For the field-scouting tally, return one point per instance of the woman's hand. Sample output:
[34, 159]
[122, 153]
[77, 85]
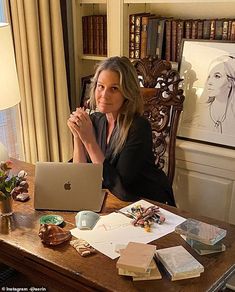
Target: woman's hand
[81, 126]
[71, 122]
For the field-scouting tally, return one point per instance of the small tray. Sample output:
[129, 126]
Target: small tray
[51, 219]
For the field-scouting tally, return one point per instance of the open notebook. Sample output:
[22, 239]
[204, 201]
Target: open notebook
[68, 186]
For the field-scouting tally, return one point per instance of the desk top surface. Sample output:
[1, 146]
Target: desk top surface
[21, 248]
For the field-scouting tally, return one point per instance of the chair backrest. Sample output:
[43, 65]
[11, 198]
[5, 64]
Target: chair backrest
[163, 103]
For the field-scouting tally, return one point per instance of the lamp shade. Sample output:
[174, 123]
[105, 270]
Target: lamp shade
[9, 86]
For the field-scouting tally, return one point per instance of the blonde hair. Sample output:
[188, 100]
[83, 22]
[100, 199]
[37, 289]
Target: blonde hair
[228, 62]
[130, 89]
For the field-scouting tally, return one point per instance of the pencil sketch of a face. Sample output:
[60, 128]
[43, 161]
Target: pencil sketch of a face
[217, 83]
[209, 107]
[219, 89]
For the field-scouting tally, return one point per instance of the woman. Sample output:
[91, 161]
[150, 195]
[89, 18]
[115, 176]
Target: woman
[220, 90]
[118, 136]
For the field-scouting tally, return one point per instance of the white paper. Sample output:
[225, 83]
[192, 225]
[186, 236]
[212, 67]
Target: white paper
[116, 228]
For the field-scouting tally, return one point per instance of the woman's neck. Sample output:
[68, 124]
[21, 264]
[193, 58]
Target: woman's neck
[111, 117]
[218, 109]
[218, 112]
[111, 124]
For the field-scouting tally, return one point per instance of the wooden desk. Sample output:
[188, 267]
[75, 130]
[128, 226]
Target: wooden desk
[62, 269]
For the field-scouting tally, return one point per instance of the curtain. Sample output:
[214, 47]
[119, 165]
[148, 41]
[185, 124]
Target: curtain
[44, 107]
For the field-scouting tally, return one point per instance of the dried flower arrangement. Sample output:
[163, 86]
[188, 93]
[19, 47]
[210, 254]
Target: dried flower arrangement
[14, 186]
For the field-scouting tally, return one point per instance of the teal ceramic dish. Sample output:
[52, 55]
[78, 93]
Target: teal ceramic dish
[51, 219]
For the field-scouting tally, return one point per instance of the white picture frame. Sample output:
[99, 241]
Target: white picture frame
[208, 71]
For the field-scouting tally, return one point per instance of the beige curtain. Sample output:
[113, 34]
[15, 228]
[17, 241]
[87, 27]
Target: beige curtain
[38, 38]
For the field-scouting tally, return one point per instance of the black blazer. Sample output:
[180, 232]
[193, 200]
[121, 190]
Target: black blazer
[132, 173]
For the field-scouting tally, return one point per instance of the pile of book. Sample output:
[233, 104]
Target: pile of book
[179, 263]
[137, 261]
[202, 237]
[146, 35]
[94, 34]
[151, 35]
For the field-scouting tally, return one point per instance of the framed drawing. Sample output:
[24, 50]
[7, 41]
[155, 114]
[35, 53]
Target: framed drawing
[86, 81]
[208, 71]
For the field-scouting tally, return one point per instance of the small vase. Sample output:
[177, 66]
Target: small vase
[6, 207]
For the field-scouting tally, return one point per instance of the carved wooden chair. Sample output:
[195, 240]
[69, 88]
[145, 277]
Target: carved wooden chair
[163, 103]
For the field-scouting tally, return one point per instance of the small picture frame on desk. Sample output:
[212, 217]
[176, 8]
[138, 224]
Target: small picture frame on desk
[208, 71]
[85, 81]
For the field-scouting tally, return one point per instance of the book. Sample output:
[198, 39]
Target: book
[85, 34]
[101, 35]
[105, 35]
[173, 40]
[225, 30]
[160, 37]
[194, 28]
[203, 249]
[168, 40]
[229, 29]
[96, 34]
[124, 272]
[137, 34]
[212, 29]
[153, 275]
[137, 274]
[90, 24]
[179, 37]
[200, 29]
[132, 36]
[179, 263]
[188, 28]
[152, 32]
[218, 29]
[201, 231]
[206, 29]
[136, 257]
[232, 35]
[144, 36]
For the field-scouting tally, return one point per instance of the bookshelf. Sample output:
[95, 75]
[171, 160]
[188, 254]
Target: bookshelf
[205, 175]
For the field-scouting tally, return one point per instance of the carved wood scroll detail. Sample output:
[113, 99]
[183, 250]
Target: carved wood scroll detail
[163, 103]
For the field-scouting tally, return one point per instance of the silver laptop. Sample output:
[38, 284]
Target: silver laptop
[68, 186]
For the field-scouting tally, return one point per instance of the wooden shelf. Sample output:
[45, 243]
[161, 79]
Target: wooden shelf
[93, 2]
[175, 1]
[93, 57]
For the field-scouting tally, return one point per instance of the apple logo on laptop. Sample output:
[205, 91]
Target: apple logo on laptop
[67, 186]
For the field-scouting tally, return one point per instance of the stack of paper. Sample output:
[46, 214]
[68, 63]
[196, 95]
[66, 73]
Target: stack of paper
[115, 229]
[136, 260]
[202, 237]
[179, 263]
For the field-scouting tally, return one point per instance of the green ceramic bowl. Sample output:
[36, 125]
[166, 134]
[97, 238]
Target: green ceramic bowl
[51, 219]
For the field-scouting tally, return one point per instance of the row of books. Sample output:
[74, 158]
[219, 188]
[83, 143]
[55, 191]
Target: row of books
[94, 34]
[150, 35]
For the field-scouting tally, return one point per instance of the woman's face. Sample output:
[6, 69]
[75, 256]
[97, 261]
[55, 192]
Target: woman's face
[108, 96]
[217, 82]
